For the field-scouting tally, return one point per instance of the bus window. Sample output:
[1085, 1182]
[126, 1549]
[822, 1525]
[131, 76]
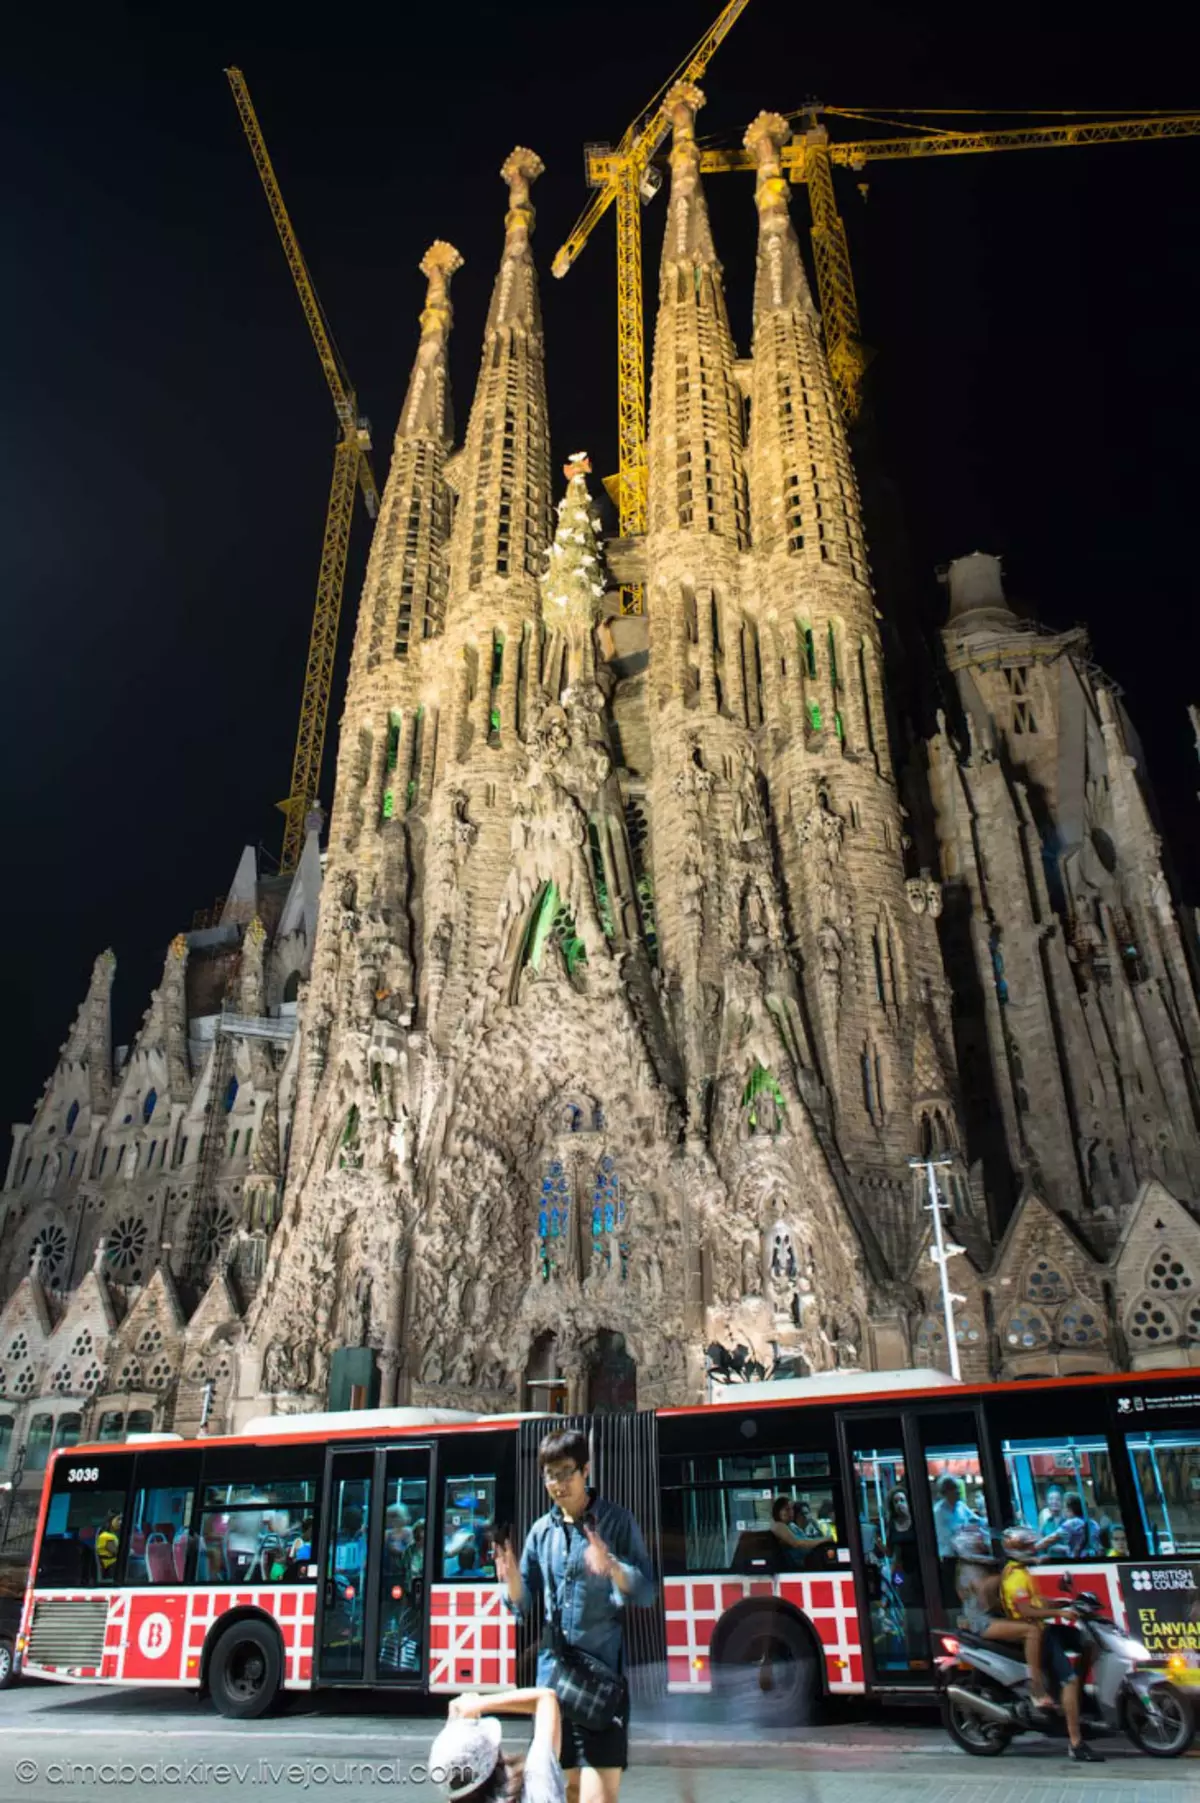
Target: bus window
[402, 1567]
[764, 1512]
[1063, 1486]
[469, 1510]
[891, 1565]
[258, 1532]
[160, 1536]
[954, 1475]
[84, 1532]
[1166, 1469]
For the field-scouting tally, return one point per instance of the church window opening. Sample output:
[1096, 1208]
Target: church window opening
[608, 1219]
[814, 716]
[1044, 1283]
[233, 1143]
[554, 1221]
[67, 1430]
[231, 1094]
[51, 1244]
[393, 739]
[762, 1099]
[871, 1068]
[1079, 1325]
[1149, 1322]
[603, 900]
[839, 727]
[148, 1105]
[150, 1153]
[291, 988]
[125, 1249]
[496, 674]
[1027, 1329]
[1167, 1273]
[1022, 716]
[72, 1115]
[998, 967]
[389, 804]
[249, 1139]
[810, 650]
[349, 1152]
[834, 679]
[638, 832]
[552, 924]
[883, 954]
[38, 1443]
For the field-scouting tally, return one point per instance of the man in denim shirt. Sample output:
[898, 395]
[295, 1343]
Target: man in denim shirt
[588, 1557]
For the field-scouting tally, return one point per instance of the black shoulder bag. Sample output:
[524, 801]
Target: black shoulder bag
[590, 1694]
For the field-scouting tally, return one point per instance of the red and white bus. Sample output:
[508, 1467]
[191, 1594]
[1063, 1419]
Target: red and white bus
[356, 1549]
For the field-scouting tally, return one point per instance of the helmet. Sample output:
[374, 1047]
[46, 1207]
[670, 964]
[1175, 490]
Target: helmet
[973, 1543]
[1018, 1542]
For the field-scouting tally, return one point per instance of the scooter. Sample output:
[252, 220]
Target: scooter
[986, 1700]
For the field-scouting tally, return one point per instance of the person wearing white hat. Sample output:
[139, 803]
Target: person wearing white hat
[466, 1758]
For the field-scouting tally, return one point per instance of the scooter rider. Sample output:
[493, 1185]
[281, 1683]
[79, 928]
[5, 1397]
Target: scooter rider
[1022, 1606]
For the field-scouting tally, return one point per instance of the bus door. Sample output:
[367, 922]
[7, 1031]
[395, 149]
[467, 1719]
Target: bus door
[916, 1480]
[373, 1620]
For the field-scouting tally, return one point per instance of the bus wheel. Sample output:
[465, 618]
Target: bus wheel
[7, 1669]
[766, 1671]
[245, 1670]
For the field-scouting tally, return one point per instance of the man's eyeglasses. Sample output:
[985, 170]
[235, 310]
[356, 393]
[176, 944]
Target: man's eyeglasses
[556, 1476]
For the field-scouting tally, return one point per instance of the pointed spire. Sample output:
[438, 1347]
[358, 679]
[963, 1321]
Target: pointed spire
[426, 412]
[803, 494]
[515, 295]
[696, 482]
[404, 595]
[688, 238]
[780, 280]
[504, 488]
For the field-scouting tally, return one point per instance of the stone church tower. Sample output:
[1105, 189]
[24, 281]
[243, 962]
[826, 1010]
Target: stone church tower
[625, 1015]
[633, 989]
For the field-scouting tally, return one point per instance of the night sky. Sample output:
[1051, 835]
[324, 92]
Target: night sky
[169, 435]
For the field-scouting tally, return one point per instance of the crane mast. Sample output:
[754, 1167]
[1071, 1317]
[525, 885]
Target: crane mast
[351, 471]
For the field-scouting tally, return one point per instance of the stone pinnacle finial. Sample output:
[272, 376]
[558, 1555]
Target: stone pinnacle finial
[765, 138]
[683, 102]
[577, 464]
[520, 170]
[439, 263]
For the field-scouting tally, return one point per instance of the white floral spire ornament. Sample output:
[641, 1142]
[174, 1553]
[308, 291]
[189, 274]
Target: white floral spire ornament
[573, 584]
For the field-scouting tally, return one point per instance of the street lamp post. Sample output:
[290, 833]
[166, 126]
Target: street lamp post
[943, 1251]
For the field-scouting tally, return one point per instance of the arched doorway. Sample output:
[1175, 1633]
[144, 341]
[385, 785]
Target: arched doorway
[545, 1388]
[611, 1375]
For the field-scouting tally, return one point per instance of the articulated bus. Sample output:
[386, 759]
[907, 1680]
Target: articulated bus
[358, 1549]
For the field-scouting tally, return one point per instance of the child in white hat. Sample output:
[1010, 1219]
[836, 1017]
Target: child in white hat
[467, 1762]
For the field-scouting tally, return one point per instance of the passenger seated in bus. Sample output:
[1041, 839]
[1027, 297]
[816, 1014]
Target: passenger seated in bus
[795, 1540]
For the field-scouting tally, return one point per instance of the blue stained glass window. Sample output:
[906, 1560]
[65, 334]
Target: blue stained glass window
[554, 1219]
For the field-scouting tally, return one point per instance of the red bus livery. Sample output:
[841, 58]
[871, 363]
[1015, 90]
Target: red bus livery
[801, 1529]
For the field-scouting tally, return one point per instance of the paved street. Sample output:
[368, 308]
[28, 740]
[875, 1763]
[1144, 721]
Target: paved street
[79, 1744]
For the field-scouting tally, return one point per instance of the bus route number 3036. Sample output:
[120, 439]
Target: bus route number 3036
[83, 1474]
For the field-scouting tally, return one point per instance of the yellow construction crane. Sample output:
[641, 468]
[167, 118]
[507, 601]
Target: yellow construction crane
[625, 175]
[351, 471]
[809, 159]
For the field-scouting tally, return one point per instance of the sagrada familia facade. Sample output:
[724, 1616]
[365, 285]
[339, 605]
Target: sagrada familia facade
[636, 973]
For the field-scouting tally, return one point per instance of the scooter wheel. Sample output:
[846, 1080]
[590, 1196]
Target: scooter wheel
[974, 1733]
[1160, 1722]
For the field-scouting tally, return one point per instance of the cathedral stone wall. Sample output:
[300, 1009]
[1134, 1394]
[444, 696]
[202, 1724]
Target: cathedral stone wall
[629, 1004]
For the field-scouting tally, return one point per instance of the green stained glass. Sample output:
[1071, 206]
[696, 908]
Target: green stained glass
[814, 716]
[389, 804]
